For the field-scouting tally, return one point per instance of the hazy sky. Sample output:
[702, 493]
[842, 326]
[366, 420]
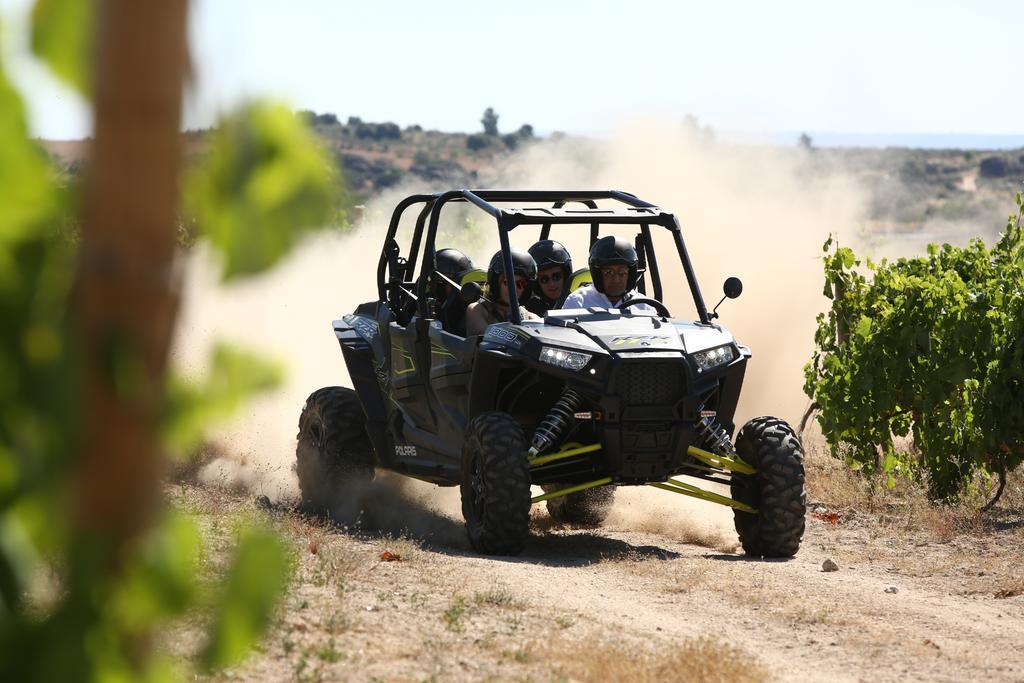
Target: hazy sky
[866, 67]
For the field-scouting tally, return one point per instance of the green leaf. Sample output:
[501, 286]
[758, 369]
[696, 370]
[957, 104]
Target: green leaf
[249, 594]
[234, 376]
[62, 36]
[863, 328]
[265, 181]
[27, 191]
[161, 581]
[847, 257]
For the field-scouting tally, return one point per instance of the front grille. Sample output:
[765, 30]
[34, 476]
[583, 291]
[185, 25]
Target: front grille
[650, 383]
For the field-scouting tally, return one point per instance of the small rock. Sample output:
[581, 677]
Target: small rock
[829, 565]
[263, 503]
[820, 509]
[892, 589]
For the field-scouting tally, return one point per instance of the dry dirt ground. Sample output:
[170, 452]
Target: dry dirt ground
[920, 593]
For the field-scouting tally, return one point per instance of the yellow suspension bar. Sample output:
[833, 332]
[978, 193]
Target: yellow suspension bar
[733, 464]
[545, 459]
[571, 489]
[696, 492]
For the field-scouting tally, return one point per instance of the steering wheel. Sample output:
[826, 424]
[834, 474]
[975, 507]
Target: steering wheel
[653, 303]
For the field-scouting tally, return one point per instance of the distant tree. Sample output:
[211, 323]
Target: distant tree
[805, 142]
[525, 131]
[702, 134]
[307, 116]
[477, 142]
[326, 119]
[415, 128]
[511, 140]
[388, 131]
[994, 167]
[490, 122]
[355, 121]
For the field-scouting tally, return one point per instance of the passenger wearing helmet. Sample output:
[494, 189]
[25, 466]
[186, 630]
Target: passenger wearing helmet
[554, 268]
[494, 307]
[613, 265]
[450, 310]
[453, 264]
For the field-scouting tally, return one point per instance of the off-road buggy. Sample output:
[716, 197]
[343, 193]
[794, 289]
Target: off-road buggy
[577, 403]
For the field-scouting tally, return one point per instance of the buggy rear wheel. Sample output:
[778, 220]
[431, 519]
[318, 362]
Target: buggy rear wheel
[495, 485]
[777, 489]
[333, 448]
[589, 507]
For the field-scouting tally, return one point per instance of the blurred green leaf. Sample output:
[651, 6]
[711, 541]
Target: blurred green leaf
[249, 595]
[62, 37]
[235, 375]
[27, 194]
[161, 582]
[266, 180]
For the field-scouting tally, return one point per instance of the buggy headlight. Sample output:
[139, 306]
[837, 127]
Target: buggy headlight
[569, 360]
[712, 358]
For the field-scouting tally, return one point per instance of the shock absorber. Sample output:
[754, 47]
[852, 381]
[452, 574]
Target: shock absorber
[714, 436]
[555, 423]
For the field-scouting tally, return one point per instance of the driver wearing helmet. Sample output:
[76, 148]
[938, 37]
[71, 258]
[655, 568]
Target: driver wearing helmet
[494, 307]
[554, 269]
[613, 266]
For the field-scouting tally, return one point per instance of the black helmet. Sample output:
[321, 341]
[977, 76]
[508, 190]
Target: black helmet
[453, 263]
[522, 263]
[612, 251]
[551, 253]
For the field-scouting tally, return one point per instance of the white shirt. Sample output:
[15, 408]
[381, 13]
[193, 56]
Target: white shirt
[589, 297]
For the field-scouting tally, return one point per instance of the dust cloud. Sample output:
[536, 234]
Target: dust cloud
[759, 213]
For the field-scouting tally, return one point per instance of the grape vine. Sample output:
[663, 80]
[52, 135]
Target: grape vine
[931, 346]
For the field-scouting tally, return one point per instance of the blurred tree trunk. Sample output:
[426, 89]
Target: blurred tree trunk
[127, 287]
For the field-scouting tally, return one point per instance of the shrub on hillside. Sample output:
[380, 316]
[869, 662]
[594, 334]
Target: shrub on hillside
[365, 175]
[994, 167]
[475, 143]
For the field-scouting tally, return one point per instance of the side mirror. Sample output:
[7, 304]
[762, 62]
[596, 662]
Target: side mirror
[732, 287]
[470, 293]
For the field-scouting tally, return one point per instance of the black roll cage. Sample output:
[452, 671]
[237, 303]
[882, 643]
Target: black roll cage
[635, 212]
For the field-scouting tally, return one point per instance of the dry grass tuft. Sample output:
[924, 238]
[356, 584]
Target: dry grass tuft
[905, 507]
[496, 597]
[701, 659]
[1010, 587]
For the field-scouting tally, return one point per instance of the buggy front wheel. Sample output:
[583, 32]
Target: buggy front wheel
[495, 485]
[776, 490]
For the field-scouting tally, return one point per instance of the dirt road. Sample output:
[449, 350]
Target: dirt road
[653, 595]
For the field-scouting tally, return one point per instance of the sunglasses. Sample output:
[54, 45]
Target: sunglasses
[553, 277]
[520, 282]
[615, 272]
